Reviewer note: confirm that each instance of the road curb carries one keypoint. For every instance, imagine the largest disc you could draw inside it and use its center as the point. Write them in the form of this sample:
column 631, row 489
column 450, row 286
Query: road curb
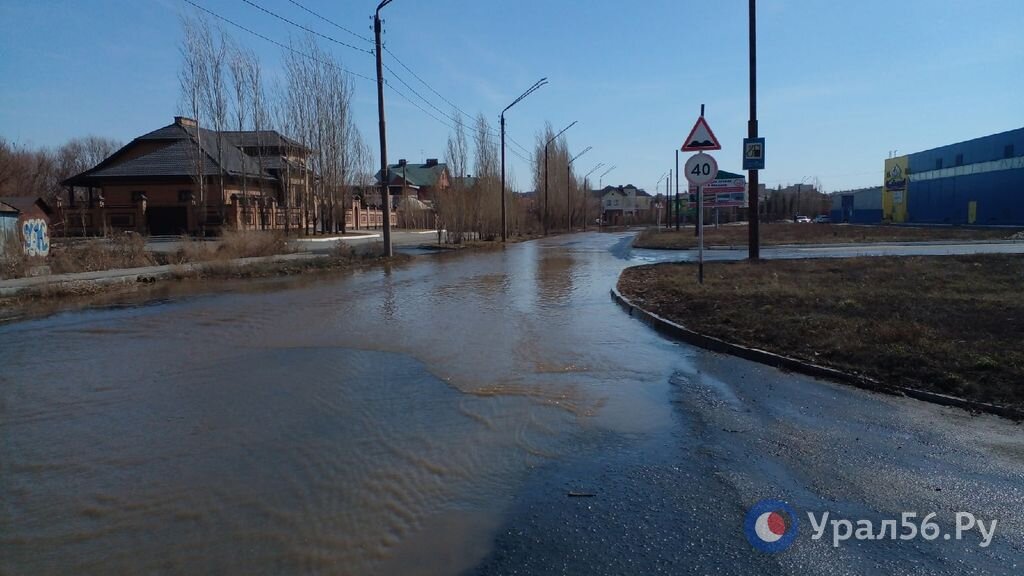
column 684, row 334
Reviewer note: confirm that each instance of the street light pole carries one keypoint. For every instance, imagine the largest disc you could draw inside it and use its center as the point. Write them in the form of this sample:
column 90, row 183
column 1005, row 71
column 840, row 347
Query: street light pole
column 568, row 188
column 546, row 144
column 600, row 185
column 534, row 88
column 586, row 193
column 385, row 201
column 753, row 195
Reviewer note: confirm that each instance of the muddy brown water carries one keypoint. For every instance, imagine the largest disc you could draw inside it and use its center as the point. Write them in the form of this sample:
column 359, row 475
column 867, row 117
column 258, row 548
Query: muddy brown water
column 373, row 422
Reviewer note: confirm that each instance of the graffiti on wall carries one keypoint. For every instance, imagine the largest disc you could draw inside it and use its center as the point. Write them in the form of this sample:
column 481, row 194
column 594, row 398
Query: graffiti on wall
column 37, row 237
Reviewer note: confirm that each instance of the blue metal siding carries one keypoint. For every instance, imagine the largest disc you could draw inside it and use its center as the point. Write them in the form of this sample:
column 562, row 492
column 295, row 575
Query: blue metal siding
column 999, row 194
column 1000, row 198
column 983, row 149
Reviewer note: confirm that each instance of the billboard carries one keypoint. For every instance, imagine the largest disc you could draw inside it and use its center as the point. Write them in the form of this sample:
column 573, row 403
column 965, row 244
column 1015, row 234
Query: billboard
column 894, row 189
column 726, row 191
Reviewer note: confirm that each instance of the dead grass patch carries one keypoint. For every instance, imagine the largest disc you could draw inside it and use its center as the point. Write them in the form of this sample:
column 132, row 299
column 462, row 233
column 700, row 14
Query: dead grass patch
column 949, row 324
column 778, row 234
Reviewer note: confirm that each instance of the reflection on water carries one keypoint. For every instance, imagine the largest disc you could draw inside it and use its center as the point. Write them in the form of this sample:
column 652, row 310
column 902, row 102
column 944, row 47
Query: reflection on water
column 377, row 422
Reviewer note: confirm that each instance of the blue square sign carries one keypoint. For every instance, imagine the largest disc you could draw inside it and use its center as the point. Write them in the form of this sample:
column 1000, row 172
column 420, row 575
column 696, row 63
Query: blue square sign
column 753, row 153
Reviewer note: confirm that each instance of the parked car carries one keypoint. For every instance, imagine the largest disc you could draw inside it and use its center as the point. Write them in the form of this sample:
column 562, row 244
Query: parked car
column 822, row 219
column 803, row 220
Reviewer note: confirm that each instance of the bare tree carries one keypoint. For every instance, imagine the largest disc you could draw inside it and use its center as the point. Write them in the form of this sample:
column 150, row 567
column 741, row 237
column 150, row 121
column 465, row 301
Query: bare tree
column 239, row 66
column 192, row 79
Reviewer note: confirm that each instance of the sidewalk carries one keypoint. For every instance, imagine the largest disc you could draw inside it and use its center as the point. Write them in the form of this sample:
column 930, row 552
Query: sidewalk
column 71, row 282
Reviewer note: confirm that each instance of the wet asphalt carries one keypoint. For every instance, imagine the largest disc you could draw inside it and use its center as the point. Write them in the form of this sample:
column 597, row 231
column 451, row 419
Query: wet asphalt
column 478, row 413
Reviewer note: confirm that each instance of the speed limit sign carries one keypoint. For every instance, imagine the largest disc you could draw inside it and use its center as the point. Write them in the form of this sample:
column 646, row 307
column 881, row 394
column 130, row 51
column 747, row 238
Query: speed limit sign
column 701, row 169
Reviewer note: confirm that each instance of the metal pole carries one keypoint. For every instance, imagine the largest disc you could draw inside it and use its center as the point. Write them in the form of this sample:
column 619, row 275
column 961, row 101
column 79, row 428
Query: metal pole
column 536, row 86
column 700, row 234
column 568, row 197
column 385, row 201
column 504, row 223
column 677, row 189
column 546, row 188
column 754, row 191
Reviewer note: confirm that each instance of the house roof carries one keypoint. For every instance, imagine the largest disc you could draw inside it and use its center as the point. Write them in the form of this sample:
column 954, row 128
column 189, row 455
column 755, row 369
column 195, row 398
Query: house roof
column 7, row 208
column 176, row 158
column 253, row 139
column 419, row 175
column 25, row 203
column 723, row 175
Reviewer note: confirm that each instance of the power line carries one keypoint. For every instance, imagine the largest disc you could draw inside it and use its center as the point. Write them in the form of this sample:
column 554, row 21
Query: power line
column 310, row 30
column 275, row 42
column 332, row 23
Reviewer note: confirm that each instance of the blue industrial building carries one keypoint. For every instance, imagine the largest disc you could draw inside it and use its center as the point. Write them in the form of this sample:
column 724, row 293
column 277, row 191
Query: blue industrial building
column 978, row 182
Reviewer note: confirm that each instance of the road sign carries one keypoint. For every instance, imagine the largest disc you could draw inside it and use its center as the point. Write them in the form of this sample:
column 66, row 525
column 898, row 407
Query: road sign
column 753, row 153
column 701, row 138
column 701, row 169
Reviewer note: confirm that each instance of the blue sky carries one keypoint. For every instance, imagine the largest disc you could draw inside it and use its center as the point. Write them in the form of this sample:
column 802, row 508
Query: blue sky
column 840, row 84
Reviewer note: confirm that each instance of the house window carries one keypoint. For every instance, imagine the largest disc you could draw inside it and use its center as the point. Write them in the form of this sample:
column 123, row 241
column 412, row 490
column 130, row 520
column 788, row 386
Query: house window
column 184, row 196
column 960, row 159
column 1008, row 151
column 938, row 163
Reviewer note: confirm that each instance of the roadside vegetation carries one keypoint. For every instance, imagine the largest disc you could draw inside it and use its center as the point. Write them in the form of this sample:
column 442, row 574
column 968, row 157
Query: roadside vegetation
column 780, row 234
column 948, row 324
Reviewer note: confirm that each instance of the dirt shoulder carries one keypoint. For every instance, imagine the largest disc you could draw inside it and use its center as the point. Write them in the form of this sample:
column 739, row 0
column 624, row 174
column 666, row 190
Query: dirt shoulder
column 947, row 324
column 780, row 234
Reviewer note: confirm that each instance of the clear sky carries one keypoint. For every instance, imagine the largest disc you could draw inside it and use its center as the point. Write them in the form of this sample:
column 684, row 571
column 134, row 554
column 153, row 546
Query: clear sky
column 841, row 83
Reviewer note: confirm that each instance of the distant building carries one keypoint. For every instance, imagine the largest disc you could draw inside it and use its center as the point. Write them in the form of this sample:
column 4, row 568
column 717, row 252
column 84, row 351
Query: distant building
column 21, row 216
column 423, row 181
column 624, row 204
column 977, row 182
column 861, row 206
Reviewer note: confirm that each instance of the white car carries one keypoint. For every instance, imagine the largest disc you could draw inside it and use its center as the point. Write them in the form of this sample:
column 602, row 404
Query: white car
column 803, row 220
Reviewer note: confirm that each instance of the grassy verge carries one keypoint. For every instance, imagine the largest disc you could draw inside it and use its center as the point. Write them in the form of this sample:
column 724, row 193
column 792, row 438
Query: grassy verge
column 777, row 234
column 948, row 324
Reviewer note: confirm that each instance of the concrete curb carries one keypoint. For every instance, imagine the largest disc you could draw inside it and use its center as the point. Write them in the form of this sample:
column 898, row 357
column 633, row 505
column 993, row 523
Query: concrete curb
column 681, row 333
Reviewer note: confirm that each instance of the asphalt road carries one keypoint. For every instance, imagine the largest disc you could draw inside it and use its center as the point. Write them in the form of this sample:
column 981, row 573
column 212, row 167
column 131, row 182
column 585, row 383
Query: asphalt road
column 473, row 413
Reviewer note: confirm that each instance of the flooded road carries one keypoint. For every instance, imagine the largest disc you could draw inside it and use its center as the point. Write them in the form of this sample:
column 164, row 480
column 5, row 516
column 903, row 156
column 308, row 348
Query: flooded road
column 431, row 418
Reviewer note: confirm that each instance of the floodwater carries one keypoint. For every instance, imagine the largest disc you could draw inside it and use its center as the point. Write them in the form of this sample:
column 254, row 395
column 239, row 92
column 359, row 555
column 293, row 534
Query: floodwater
column 432, row 418
column 375, row 422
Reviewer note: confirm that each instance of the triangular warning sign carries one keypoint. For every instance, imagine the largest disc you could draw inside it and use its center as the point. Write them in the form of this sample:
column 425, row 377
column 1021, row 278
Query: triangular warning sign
column 701, row 138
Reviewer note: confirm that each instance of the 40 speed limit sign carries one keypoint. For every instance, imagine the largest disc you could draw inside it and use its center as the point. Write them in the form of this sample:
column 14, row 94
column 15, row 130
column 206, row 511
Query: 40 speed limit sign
column 701, row 169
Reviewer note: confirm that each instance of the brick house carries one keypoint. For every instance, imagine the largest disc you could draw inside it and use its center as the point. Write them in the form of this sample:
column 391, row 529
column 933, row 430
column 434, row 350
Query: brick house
column 249, row 179
column 423, row 181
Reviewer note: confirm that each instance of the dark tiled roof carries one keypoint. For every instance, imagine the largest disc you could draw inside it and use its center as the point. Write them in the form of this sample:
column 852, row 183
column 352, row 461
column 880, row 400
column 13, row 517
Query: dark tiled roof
column 253, row 139
column 176, row 158
column 416, row 174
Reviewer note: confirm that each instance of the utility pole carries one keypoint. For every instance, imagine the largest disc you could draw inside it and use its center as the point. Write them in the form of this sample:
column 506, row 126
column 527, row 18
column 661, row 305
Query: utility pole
column 385, row 200
column 754, row 193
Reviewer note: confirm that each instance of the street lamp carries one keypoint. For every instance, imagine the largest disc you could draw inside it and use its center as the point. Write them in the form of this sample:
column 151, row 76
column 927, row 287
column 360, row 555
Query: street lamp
column 600, row 182
column 586, row 193
column 534, row 88
column 385, row 201
column 546, row 144
column 568, row 187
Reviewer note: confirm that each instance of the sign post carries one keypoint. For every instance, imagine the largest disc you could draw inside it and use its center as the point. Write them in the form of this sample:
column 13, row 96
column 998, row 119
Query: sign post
column 701, row 169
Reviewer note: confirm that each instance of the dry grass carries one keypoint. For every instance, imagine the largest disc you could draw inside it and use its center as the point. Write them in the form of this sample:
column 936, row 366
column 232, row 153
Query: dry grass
column 124, row 250
column 951, row 324
column 231, row 246
column 777, row 234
